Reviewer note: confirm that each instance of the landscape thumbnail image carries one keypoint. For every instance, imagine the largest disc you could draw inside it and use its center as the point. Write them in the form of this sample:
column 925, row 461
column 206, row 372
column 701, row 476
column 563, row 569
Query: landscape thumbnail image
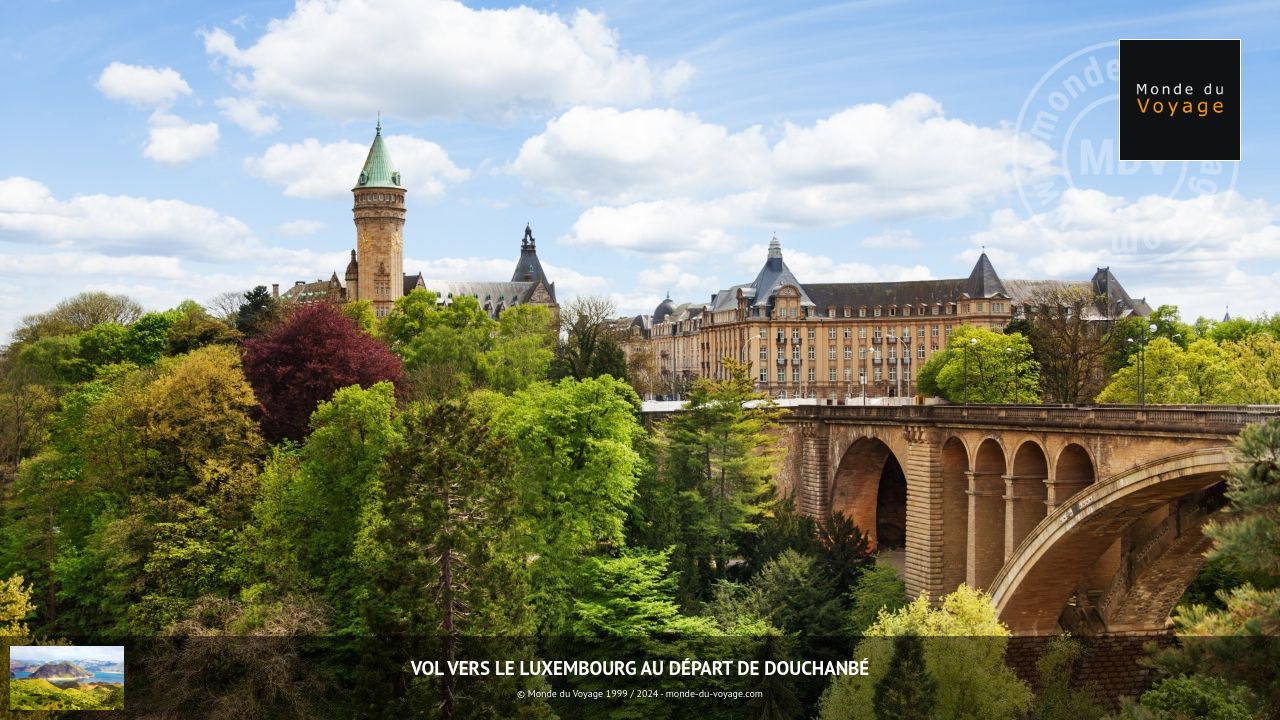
column 66, row 677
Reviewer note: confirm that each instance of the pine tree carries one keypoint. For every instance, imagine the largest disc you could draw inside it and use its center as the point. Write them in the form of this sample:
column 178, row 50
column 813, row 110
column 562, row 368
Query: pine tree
column 907, row 690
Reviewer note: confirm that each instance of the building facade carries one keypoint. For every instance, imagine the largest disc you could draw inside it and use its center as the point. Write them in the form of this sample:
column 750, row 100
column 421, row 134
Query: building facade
column 835, row 340
column 376, row 270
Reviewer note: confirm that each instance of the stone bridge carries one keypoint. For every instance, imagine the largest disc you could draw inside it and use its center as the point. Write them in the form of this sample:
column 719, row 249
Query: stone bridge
column 1079, row 518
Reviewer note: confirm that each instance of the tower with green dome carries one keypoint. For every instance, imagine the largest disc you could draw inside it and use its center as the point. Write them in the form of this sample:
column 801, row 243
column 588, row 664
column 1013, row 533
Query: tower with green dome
column 376, row 271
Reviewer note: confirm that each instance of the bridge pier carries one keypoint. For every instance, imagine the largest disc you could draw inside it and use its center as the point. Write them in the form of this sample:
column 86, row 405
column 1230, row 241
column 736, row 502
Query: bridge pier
column 986, row 526
column 1024, row 508
column 926, row 524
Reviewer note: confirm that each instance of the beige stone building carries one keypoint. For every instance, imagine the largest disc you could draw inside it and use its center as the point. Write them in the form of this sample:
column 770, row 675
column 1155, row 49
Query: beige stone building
column 376, row 271
column 834, row 340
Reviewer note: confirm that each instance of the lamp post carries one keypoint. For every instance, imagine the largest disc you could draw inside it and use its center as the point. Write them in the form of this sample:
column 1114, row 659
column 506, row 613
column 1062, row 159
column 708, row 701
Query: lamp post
column 1142, row 362
column 972, row 342
column 1013, row 374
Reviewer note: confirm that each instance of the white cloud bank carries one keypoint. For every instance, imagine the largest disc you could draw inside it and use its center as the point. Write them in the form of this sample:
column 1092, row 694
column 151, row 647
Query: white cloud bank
column 141, row 85
column 311, row 169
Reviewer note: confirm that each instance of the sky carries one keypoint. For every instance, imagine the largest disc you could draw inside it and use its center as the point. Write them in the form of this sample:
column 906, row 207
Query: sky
column 67, row 653
column 171, row 150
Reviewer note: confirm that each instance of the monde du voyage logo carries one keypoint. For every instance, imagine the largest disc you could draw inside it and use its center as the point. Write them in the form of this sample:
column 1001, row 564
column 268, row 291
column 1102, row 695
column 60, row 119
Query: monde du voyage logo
column 1180, row 100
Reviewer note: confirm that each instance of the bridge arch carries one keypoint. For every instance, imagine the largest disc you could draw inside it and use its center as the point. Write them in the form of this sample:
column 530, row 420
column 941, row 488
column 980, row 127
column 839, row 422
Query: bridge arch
column 1027, row 493
column 870, row 487
column 986, row 512
column 955, row 512
column 1033, row 587
column 1073, row 470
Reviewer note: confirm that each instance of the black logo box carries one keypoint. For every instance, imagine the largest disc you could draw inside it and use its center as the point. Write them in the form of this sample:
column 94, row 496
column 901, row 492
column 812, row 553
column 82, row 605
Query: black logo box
column 1160, row 77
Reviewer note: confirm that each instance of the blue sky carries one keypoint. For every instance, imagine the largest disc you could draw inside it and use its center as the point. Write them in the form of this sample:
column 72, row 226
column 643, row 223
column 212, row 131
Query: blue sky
column 170, row 150
column 69, row 653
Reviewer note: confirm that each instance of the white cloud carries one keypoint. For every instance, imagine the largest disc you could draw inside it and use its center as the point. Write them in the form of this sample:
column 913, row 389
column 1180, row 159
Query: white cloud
column 810, row 268
column 665, row 179
column 313, row 170
column 1199, row 252
column 142, row 85
column 300, row 227
column 96, row 264
column 892, row 240
column 347, row 58
column 174, row 141
column 619, row 157
column 118, row 224
column 248, row 114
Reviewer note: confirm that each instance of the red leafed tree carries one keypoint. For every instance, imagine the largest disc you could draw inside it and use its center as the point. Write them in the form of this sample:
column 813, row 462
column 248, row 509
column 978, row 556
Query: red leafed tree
column 299, row 364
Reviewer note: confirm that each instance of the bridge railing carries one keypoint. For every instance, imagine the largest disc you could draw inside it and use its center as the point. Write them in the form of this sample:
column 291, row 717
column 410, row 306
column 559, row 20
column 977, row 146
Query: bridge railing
column 1210, row 418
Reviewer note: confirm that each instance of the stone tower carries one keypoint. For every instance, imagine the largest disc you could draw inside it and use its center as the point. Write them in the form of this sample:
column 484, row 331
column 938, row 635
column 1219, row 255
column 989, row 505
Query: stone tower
column 378, row 265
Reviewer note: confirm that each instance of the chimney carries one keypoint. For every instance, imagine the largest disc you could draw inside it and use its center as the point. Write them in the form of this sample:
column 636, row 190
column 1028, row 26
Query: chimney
column 275, row 289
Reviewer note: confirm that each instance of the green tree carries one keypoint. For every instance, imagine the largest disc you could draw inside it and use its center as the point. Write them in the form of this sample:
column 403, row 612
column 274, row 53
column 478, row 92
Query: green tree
column 982, row 366
column 148, row 338
column 1196, row 698
column 844, row 552
column 1166, row 377
column 907, row 689
column 590, row 347
column 1055, row 698
column 101, row 345
column 522, row 349
column 631, row 595
column 720, row 458
column 1072, row 340
column 964, row 646
column 796, row 595
column 1237, row 643
column 575, row 477
column 15, row 606
column 878, row 589
column 257, row 312
column 442, row 345
column 361, row 311
column 1255, row 366
column 78, row 313
column 193, row 327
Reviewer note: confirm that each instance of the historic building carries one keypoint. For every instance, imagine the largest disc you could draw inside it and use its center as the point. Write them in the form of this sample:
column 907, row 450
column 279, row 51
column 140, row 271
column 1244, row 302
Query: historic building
column 836, row 340
column 376, row 271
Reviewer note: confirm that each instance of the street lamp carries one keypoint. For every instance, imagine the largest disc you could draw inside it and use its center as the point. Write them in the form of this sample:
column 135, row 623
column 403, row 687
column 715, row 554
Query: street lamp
column 1013, row 375
column 1142, row 362
column 972, row 342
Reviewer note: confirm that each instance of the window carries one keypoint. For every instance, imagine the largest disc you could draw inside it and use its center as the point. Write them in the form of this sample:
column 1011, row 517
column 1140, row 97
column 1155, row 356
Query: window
column 831, row 333
column 948, row 332
column 848, row 333
column 997, row 307
column 862, row 333
column 906, row 310
column 813, row 352
column 764, row 353
column 811, row 331
column 893, row 354
column 831, row 312
column 966, row 308
column 879, row 375
column 877, row 312
column 934, row 348
column 846, row 312
column 848, row 372
column 764, row 375
column 920, row 331
column 795, row 375
column 795, row 334
column 906, row 375
column 812, row 375
column 831, row 375
column 875, row 334
column 893, row 374
column 862, row 376
column 920, row 351
column 893, row 310
column 795, row 353
column 782, row 376
column 831, row 353
column 933, row 331
column 848, row 353
column 862, row 353
column 979, row 307
column 862, row 312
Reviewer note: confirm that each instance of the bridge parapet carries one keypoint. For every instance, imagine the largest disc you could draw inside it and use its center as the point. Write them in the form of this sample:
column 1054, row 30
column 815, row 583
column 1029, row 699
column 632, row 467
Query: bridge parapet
column 1213, row 419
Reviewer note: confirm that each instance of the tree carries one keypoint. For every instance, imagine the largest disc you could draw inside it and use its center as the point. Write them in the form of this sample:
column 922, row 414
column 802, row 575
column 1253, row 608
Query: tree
column 590, row 348
column 844, row 552
column 720, row 459
column 907, row 689
column 225, row 306
column 994, row 368
column 443, row 530
column 574, row 478
column 300, row 363
column 794, row 594
column 1255, row 368
column 964, row 646
column 257, row 312
column 1055, row 698
column 78, row 313
column 630, row 595
column 1196, row 696
column 878, row 589
column 15, row 606
column 193, row 328
column 442, row 345
column 147, row 338
column 1070, row 341
column 1237, row 643
column 522, row 349
column 1164, row 380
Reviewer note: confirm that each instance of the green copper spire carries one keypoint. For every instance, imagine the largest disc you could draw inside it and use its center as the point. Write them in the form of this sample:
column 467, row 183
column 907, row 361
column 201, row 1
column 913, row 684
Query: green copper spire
column 378, row 170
